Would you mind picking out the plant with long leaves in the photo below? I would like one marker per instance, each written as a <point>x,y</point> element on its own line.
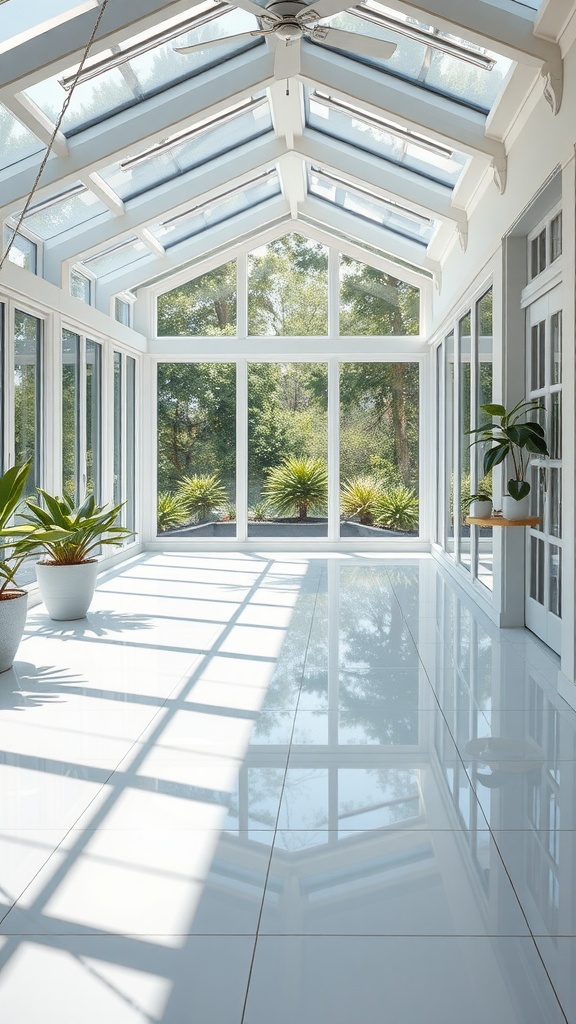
<point>397,509</point>
<point>296,486</point>
<point>359,497</point>
<point>515,436</point>
<point>12,550</point>
<point>171,511</point>
<point>201,495</point>
<point>81,529</point>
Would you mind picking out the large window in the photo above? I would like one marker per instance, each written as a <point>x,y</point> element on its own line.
<point>374,303</point>
<point>28,396</point>
<point>288,288</point>
<point>124,437</point>
<point>203,307</point>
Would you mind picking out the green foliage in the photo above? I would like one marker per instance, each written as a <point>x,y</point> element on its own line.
<point>171,511</point>
<point>359,497</point>
<point>259,512</point>
<point>12,484</point>
<point>398,509</point>
<point>201,495</point>
<point>515,437</point>
<point>373,303</point>
<point>227,513</point>
<point>297,486</point>
<point>288,288</point>
<point>203,307</point>
<point>70,534</point>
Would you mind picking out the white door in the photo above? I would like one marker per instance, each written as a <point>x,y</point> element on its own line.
<point>544,542</point>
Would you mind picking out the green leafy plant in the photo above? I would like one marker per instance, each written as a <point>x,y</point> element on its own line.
<point>515,437</point>
<point>67,534</point>
<point>11,487</point>
<point>359,497</point>
<point>397,509</point>
<point>296,486</point>
<point>170,511</point>
<point>201,495</point>
<point>227,514</point>
<point>259,512</point>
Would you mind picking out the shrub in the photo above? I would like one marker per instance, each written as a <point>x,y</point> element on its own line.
<point>201,495</point>
<point>259,512</point>
<point>397,509</point>
<point>227,513</point>
<point>171,511</point>
<point>359,497</point>
<point>296,486</point>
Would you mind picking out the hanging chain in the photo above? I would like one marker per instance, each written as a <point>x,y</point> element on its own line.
<point>61,117</point>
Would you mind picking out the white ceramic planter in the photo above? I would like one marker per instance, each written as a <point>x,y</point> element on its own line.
<point>512,509</point>
<point>12,622</point>
<point>481,509</point>
<point>67,590</point>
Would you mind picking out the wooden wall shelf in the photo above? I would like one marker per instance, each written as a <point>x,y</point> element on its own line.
<point>500,521</point>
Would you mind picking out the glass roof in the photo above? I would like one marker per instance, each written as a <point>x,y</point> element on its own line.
<point>17,142</point>
<point>349,123</point>
<point>200,218</point>
<point>117,257</point>
<point>425,64</point>
<point>24,21</point>
<point>244,122</point>
<point>360,202</point>
<point>71,208</point>
<point>154,67</point>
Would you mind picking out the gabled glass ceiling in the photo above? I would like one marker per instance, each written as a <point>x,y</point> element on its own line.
<point>142,66</point>
<point>69,209</point>
<point>217,135</point>
<point>425,63</point>
<point>17,142</point>
<point>200,218</point>
<point>360,202</point>
<point>351,124</point>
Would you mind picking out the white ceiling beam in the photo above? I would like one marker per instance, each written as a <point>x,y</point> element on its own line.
<point>508,33</point>
<point>408,105</point>
<point>105,194</point>
<point>385,180</point>
<point>222,235</point>
<point>139,127</point>
<point>63,46</point>
<point>293,180</point>
<point>202,185</point>
<point>287,110</point>
<point>35,121</point>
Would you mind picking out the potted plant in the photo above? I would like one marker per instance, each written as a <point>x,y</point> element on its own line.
<point>516,436</point>
<point>480,505</point>
<point>67,574</point>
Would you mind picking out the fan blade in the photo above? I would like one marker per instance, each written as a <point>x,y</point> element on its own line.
<point>209,43</point>
<point>287,60</point>
<point>354,42</point>
<point>327,9</point>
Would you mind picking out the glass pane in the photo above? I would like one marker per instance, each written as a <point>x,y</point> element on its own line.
<point>203,307</point>
<point>537,569</point>
<point>556,425</point>
<point>465,423</point>
<point>130,428</point>
<point>68,212</point>
<point>27,396</point>
<point>485,377</point>
<point>555,237</point>
<point>122,255</point>
<point>288,288</point>
<point>555,580</point>
<point>118,463</point>
<point>449,453</point>
<point>391,142</point>
<point>386,213</point>
<point>375,303</point>
<point>177,156</point>
<point>556,346</point>
<point>425,66</point>
<point>555,502</point>
<point>23,252</point>
<point>94,419</point>
<point>2,382</point>
<point>70,414</point>
<point>17,141</point>
<point>122,312</point>
<point>287,449</point>
<point>80,287</point>
<point>197,449</point>
<point>537,480</point>
<point>538,356</point>
<point>379,449</point>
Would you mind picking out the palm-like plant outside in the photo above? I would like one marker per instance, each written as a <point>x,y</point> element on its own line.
<point>201,495</point>
<point>69,535</point>
<point>296,486</point>
<point>171,511</point>
<point>359,497</point>
<point>397,509</point>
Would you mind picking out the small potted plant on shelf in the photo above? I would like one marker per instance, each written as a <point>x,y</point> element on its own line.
<point>67,574</point>
<point>516,436</point>
<point>480,505</point>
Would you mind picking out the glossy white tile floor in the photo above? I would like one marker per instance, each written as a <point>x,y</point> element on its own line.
<point>281,790</point>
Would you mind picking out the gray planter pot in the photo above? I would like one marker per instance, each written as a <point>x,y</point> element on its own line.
<point>12,621</point>
<point>67,590</point>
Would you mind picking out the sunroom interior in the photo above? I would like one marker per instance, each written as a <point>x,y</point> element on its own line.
<point>239,240</point>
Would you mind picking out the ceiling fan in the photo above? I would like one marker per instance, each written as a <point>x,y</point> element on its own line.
<point>290,21</point>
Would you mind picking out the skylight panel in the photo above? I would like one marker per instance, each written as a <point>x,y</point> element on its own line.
<point>433,60</point>
<point>229,204</point>
<point>20,22</point>
<point>144,66</point>
<point>242,123</point>
<point>17,142</point>
<point>348,123</point>
<point>64,211</point>
<point>117,257</point>
<point>363,203</point>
